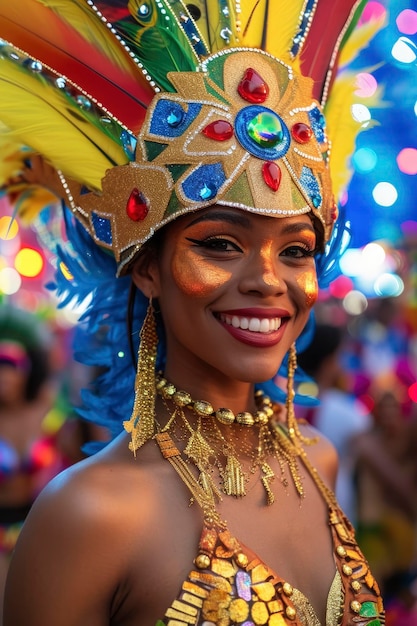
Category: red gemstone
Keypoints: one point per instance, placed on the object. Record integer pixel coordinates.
(334, 212)
(219, 130)
(252, 87)
(301, 132)
(137, 207)
(271, 174)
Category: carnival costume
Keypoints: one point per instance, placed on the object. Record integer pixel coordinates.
(152, 109)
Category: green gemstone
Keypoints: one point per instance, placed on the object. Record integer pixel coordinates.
(266, 130)
(368, 610)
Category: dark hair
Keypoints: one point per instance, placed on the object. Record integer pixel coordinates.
(325, 342)
(24, 328)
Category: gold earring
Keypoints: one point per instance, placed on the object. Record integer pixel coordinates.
(291, 419)
(292, 423)
(141, 424)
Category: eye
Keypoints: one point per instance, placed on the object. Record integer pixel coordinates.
(298, 252)
(216, 244)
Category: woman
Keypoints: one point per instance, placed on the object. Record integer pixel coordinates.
(224, 512)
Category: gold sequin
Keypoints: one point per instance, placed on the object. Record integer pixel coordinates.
(287, 589)
(259, 573)
(192, 599)
(347, 570)
(188, 619)
(238, 610)
(355, 606)
(290, 612)
(202, 561)
(277, 620)
(185, 608)
(241, 559)
(341, 551)
(264, 591)
(224, 568)
(275, 606)
(196, 590)
(260, 613)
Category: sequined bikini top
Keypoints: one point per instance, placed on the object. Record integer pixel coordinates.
(230, 586)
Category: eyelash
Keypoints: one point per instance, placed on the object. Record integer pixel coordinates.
(306, 250)
(213, 243)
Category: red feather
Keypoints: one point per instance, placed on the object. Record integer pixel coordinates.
(40, 33)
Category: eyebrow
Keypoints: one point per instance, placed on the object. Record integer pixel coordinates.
(242, 220)
(297, 227)
(222, 216)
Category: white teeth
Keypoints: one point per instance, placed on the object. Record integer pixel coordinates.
(235, 322)
(254, 324)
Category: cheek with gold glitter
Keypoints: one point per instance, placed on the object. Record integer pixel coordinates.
(196, 276)
(307, 281)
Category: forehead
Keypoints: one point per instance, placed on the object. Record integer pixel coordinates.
(243, 219)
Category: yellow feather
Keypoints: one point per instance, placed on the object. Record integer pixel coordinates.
(29, 200)
(359, 39)
(343, 129)
(83, 20)
(281, 26)
(44, 118)
(252, 20)
(12, 155)
(218, 21)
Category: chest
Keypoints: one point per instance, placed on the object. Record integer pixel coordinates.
(292, 537)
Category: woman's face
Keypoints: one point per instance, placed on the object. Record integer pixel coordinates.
(235, 290)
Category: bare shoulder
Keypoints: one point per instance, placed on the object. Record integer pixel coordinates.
(322, 454)
(83, 538)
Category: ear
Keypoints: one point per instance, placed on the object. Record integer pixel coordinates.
(145, 275)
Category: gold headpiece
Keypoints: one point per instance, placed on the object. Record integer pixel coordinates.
(168, 107)
(242, 131)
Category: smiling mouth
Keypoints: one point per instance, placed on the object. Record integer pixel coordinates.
(263, 325)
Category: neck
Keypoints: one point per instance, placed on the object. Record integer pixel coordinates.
(218, 390)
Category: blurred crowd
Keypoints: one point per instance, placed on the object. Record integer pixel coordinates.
(366, 376)
(40, 433)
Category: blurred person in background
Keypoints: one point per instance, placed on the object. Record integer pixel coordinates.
(29, 454)
(339, 416)
(386, 471)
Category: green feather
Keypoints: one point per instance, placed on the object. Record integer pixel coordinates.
(155, 35)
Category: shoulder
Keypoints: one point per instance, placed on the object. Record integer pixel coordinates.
(322, 453)
(83, 541)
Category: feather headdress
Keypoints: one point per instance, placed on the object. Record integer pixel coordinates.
(178, 105)
(109, 90)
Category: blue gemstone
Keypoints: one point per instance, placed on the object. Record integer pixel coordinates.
(175, 117)
(129, 143)
(102, 228)
(208, 191)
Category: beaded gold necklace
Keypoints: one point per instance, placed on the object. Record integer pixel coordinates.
(208, 449)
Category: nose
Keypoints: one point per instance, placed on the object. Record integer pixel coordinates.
(262, 274)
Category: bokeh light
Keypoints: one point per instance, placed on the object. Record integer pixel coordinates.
(9, 227)
(407, 22)
(412, 392)
(366, 85)
(388, 286)
(28, 262)
(361, 114)
(355, 303)
(364, 160)
(404, 50)
(10, 281)
(385, 194)
(407, 161)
